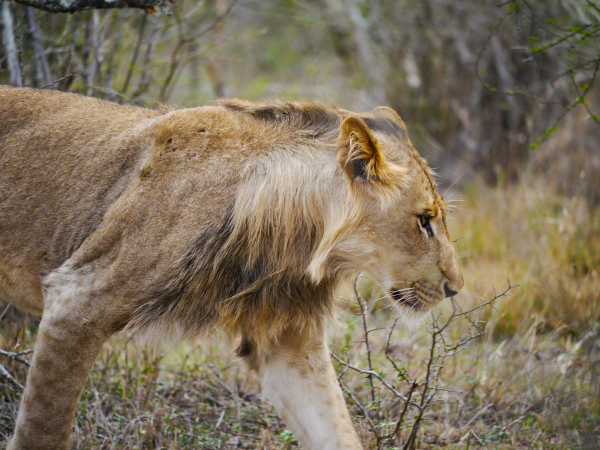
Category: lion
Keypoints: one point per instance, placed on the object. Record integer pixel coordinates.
(238, 216)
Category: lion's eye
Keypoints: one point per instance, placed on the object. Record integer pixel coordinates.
(426, 225)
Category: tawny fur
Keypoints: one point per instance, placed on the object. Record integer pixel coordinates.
(236, 215)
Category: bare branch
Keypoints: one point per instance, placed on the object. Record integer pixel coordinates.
(418, 392)
(146, 78)
(136, 52)
(10, 46)
(38, 47)
(17, 356)
(217, 20)
(70, 75)
(376, 375)
(71, 6)
(489, 302)
(7, 376)
(360, 406)
(411, 390)
(363, 312)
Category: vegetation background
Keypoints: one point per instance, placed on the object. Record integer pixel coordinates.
(502, 99)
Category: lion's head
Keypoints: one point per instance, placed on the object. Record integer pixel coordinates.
(399, 236)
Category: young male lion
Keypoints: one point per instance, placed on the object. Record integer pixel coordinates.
(237, 215)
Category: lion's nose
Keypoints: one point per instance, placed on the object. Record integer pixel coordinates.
(449, 292)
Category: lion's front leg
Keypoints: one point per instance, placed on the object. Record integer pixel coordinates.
(298, 378)
(69, 338)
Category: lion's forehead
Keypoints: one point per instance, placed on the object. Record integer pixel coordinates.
(423, 185)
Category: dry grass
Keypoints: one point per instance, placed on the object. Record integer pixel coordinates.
(546, 243)
(532, 381)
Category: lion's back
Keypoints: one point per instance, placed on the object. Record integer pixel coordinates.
(64, 160)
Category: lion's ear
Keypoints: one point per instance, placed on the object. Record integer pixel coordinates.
(362, 159)
(394, 122)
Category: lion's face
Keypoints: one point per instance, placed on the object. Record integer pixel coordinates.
(409, 252)
(402, 242)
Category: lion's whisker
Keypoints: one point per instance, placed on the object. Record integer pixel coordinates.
(454, 197)
(456, 181)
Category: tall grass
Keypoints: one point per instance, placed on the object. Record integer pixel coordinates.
(547, 243)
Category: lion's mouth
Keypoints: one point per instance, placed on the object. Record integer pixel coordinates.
(406, 297)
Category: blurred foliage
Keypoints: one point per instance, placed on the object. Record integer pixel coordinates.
(479, 83)
(500, 96)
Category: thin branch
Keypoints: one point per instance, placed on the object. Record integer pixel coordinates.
(7, 306)
(71, 6)
(7, 376)
(360, 406)
(420, 391)
(136, 53)
(145, 77)
(489, 302)
(70, 75)
(581, 94)
(17, 356)
(363, 312)
(10, 46)
(376, 375)
(40, 55)
(217, 20)
(413, 385)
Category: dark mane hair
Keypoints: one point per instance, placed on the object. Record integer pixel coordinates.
(313, 117)
(385, 125)
(252, 274)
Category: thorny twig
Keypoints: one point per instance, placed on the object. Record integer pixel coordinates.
(363, 312)
(360, 406)
(17, 357)
(7, 376)
(418, 392)
(376, 375)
